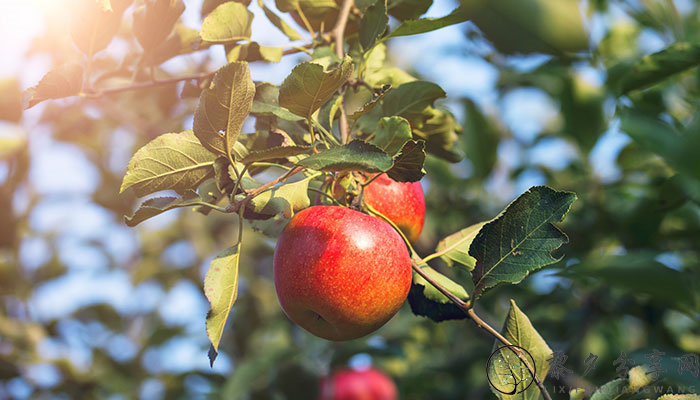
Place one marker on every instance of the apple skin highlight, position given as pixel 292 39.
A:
pixel 340 274
pixel 402 202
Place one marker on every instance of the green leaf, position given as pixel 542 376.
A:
pixel 530 26
pixel 354 156
pixel 370 105
pixel 611 390
pixel 221 289
pixel 229 22
pixel 392 134
pixel 183 40
pixel 279 23
pixel 455 248
pixel 519 331
pixel 175 161
pixel 266 103
pixel 638 273
pixel 481 140
pixel 521 239
pixel 417 26
pixel 654 68
pixel 408 9
pixel 411 97
pixel 157 205
pixel 95 23
pixel 10 100
pixel 373 24
pixel 679 397
pixel 308 87
pixel 427 301
pixel 64 81
pixel 224 106
pixel 253 51
pixel 676 148
pixel 408 164
pixel 326 114
pixel 275 152
pixel 440 131
pixel 209 5
pixel 154 21
pixel 282 200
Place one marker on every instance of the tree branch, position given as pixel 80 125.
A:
pixel 338 35
pixel 161 82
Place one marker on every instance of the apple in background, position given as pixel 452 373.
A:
pixel 340 274
pixel 349 384
pixel 402 202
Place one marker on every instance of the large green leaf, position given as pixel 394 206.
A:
pixel 408 164
pixel 530 26
pixel 639 274
pixel 229 22
pixel 425 300
pixel 455 248
pixel 411 97
pixel 392 134
pixel 266 102
pixel 63 81
pixel 157 205
pixel 94 25
pixel 519 331
pixel 676 148
pixel 279 23
pixel 308 87
pixel 373 24
pixel 521 239
pixel 481 140
pixel 408 9
pixel 221 289
pixel 154 21
pixel 354 156
pixel 414 27
pixel 175 161
pixel 651 69
pixel 224 106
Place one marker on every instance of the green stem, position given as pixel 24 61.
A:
pixel 267 164
pixel 321 192
pixel 324 131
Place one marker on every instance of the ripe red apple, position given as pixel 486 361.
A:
pixel 340 274
pixel 402 202
pixel 369 384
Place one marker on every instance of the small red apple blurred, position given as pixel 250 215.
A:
pixel 349 384
pixel 402 202
pixel 340 274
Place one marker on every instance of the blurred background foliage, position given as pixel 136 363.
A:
pixel 556 92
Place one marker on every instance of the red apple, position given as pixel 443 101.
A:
pixel 340 274
pixel 369 384
pixel 403 203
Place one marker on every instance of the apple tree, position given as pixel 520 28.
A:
pixel 323 169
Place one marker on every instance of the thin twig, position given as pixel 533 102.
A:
pixel 466 307
pixel 458 302
pixel 257 191
pixel 338 35
pixel 481 324
pixel 161 82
